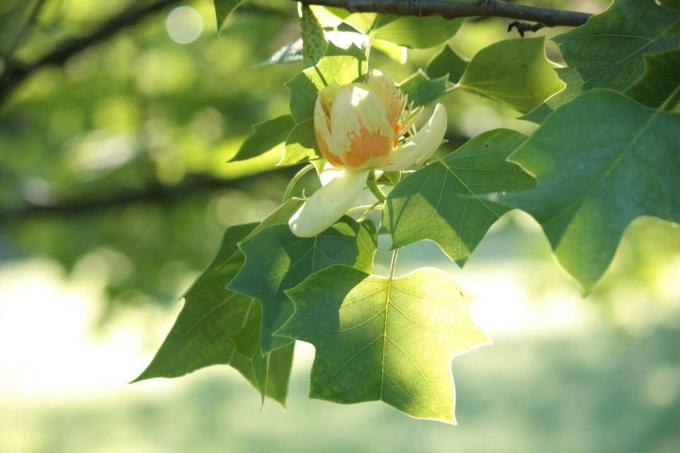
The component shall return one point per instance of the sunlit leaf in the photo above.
(384, 339)
(415, 32)
(601, 161)
(440, 203)
(277, 260)
(515, 71)
(608, 51)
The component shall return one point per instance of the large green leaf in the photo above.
(277, 260)
(415, 32)
(608, 50)
(574, 85)
(422, 90)
(384, 339)
(662, 75)
(222, 10)
(265, 136)
(440, 203)
(314, 43)
(304, 87)
(515, 71)
(601, 161)
(218, 326)
(447, 63)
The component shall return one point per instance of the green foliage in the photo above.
(447, 63)
(290, 260)
(441, 201)
(300, 144)
(609, 50)
(314, 43)
(658, 81)
(515, 71)
(265, 136)
(574, 85)
(218, 326)
(415, 32)
(384, 339)
(223, 9)
(601, 161)
(421, 90)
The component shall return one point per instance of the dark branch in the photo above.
(523, 27)
(156, 193)
(16, 72)
(450, 10)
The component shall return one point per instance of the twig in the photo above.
(523, 27)
(450, 10)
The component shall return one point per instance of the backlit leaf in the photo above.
(314, 43)
(421, 90)
(265, 136)
(222, 10)
(415, 32)
(439, 202)
(384, 339)
(446, 63)
(661, 77)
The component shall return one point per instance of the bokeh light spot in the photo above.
(184, 24)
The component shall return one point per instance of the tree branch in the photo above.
(450, 10)
(156, 193)
(16, 72)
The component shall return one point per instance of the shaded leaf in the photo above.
(314, 43)
(594, 180)
(608, 50)
(515, 71)
(222, 10)
(440, 203)
(446, 63)
(277, 260)
(661, 77)
(301, 144)
(384, 339)
(421, 90)
(415, 32)
(265, 136)
(218, 326)
(573, 87)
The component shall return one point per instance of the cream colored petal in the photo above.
(421, 145)
(356, 106)
(328, 204)
(329, 172)
(321, 127)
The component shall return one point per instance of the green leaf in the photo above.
(277, 260)
(662, 75)
(421, 90)
(608, 50)
(222, 10)
(415, 32)
(515, 71)
(265, 136)
(304, 87)
(601, 161)
(301, 144)
(314, 42)
(574, 84)
(218, 326)
(446, 63)
(440, 202)
(384, 339)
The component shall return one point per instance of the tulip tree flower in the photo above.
(360, 128)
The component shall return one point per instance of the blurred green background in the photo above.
(115, 189)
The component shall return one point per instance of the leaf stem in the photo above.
(372, 185)
(393, 263)
(295, 179)
(670, 98)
